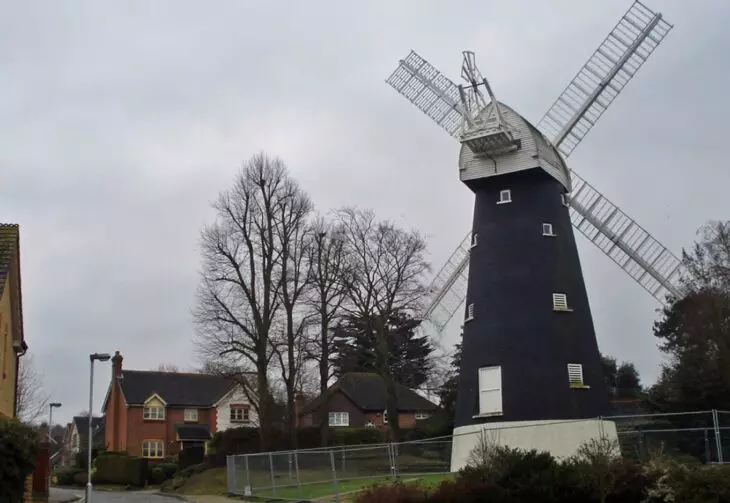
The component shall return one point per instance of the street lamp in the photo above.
(102, 357)
(51, 406)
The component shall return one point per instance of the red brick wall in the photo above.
(139, 429)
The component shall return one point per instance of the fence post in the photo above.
(718, 439)
(707, 449)
(248, 478)
(230, 467)
(296, 469)
(334, 476)
(271, 468)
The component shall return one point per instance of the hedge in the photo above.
(119, 469)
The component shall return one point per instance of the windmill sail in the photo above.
(603, 77)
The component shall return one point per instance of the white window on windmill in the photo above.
(575, 376)
(505, 196)
(474, 237)
(490, 391)
(547, 230)
(560, 302)
(469, 312)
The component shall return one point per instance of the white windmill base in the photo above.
(560, 438)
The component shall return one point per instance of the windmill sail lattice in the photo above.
(573, 114)
(603, 77)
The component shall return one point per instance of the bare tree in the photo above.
(32, 400)
(328, 276)
(168, 367)
(387, 276)
(240, 297)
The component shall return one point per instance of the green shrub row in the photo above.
(596, 475)
(18, 451)
(121, 469)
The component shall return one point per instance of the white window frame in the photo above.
(385, 417)
(240, 414)
(153, 449)
(575, 376)
(474, 237)
(421, 416)
(547, 230)
(505, 196)
(338, 419)
(469, 312)
(560, 302)
(489, 390)
(153, 413)
(190, 415)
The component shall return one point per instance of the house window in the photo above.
(505, 196)
(420, 416)
(339, 419)
(474, 239)
(240, 413)
(547, 230)
(575, 375)
(560, 302)
(153, 449)
(564, 199)
(385, 417)
(490, 391)
(191, 415)
(154, 412)
(469, 312)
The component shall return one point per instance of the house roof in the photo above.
(193, 432)
(8, 246)
(82, 423)
(176, 389)
(367, 391)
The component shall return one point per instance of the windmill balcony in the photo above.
(490, 141)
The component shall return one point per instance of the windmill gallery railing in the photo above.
(336, 471)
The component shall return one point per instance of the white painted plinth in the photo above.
(559, 438)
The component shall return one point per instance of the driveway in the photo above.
(64, 495)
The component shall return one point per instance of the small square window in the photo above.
(575, 375)
(339, 419)
(560, 302)
(474, 239)
(385, 417)
(547, 230)
(191, 415)
(469, 312)
(505, 196)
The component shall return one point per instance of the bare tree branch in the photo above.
(32, 399)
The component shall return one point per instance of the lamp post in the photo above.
(51, 406)
(102, 357)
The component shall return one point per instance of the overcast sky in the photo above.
(121, 121)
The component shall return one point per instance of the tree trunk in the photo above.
(324, 370)
(265, 418)
(291, 381)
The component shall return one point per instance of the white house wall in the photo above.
(223, 411)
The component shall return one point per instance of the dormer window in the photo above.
(154, 409)
(505, 196)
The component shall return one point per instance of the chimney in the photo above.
(299, 401)
(117, 364)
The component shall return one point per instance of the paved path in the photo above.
(65, 495)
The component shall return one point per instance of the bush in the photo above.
(80, 478)
(191, 456)
(66, 476)
(395, 493)
(121, 469)
(18, 451)
(162, 472)
(356, 436)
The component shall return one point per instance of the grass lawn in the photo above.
(209, 482)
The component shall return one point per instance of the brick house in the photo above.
(157, 414)
(12, 341)
(358, 400)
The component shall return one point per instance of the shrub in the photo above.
(121, 469)
(80, 478)
(191, 456)
(66, 476)
(394, 493)
(162, 472)
(18, 451)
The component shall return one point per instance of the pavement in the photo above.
(69, 495)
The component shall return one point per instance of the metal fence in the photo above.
(335, 472)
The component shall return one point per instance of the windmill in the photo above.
(529, 347)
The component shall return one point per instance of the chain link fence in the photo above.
(336, 472)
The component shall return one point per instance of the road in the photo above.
(63, 495)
